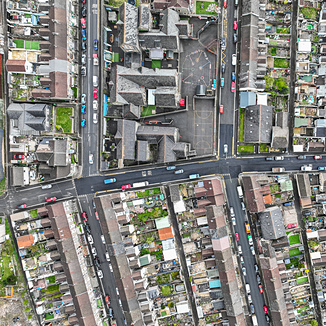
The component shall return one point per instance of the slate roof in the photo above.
(272, 224)
(131, 111)
(53, 152)
(158, 40)
(126, 139)
(280, 137)
(17, 176)
(303, 185)
(258, 124)
(153, 133)
(145, 17)
(168, 21)
(166, 96)
(142, 151)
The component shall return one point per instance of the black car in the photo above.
(84, 11)
(97, 262)
(87, 228)
(84, 46)
(223, 68)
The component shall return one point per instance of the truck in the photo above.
(254, 320)
(240, 193)
(307, 167)
(193, 176)
(95, 59)
(112, 180)
(140, 184)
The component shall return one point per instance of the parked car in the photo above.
(302, 157)
(232, 87)
(172, 167)
(94, 252)
(100, 273)
(97, 262)
(83, 1)
(95, 105)
(270, 158)
(235, 38)
(111, 38)
(249, 298)
(267, 318)
(84, 35)
(95, 118)
(244, 271)
(321, 168)
(96, 215)
(237, 236)
(83, 71)
(233, 76)
(83, 59)
(95, 93)
(83, 122)
(265, 309)
(260, 287)
(83, 98)
(84, 11)
(87, 227)
(90, 239)
(256, 268)
(107, 256)
(46, 187)
(103, 239)
(318, 157)
(279, 158)
(258, 278)
(222, 82)
(19, 156)
(252, 250)
(91, 159)
(223, 68)
(234, 221)
(221, 108)
(107, 300)
(84, 45)
(83, 108)
(291, 226)
(225, 3)
(126, 186)
(84, 216)
(48, 200)
(252, 308)
(21, 206)
(178, 171)
(95, 45)
(225, 148)
(83, 22)
(182, 102)
(235, 25)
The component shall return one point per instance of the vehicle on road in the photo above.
(21, 206)
(244, 271)
(140, 184)
(95, 93)
(111, 38)
(221, 108)
(234, 221)
(83, 59)
(83, 108)
(178, 171)
(91, 159)
(111, 269)
(90, 239)
(237, 236)
(247, 227)
(84, 11)
(107, 300)
(83, 22)
(235, 38)
(254, 320)
(84, 45)
(307, 167)
(94, 252)
(83, 98)
(269, 158)
(252, 250)
(265, 309)
(232, 211)
(302, 157)
(84, 216)
(223, 68)
(107, 256)
(48, 200)
(214, 85)
(267, 318)
(223, 43)
(318, 157)
(103, 239)
(95, 105)
(260, 287)
(250, 240)
(83, 122)
(239, 190)
(321, 168)
(233, 76)
(240, 249)
(95, 81)
(84, 35)
(225, 148)
(95, 118)
(234, 59)
(182, 102)
(258, 278)
(126, 186)
(96, 215)
(279, 158)
(171, 167)
(83, 71)
(252, 308)
(249, 298)
(222, 82)
(95, 45)
(225, 3)
(87, 227)
(243, 206)
(193, 176)
(112, 180)
(46, 187)
(247, 288)
(100, 273)
(235, 25)
(232, 87)
(19, 156)
(95, 59)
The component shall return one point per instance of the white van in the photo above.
(95, 81)
(234, 59)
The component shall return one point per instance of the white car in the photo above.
(47, 187)
(107, 256)
(111, 269)
(91, 159)
(100, 273)
(244, 271)
(83, 98)
(249, 298)
(94, 252)
(83, 59)
(90, 239)
(103, 239)
(225, 148)
(252, 250)
(95, 105)
(234, 221)
(95, 118)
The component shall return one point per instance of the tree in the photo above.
(280, 83)
(301, 265)
(33, 248)
(314, 323)
(269, 82)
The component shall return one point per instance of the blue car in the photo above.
(83, 32)
(83, 122)
(95, 45)
(170, 168)
(222, 82)
(233, 76)
(83, 108)
(321, 168)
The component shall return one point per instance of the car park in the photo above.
(237, 236)
(91, 159)
(19, 156)
(95, 45)
(100, 273)
(232, 87)
(95, 93)
(233, 76)
(235, 25)
(83, 59)
(83, 108)
(83, 122)
(260, 287)
(21, 206)
(126, 186)
(265, 309)
(84, 216)
(83, 22)
(90, 239)
(83, 98)
(171, 167)
(84, 11)
(221, 108)
(178, 171)
(48, 200)
(318, 157)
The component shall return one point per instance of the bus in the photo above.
(140, 184)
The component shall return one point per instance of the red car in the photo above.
(260, 287)
(232, 87)
(291, 226)
(225, 3)
(265, 310)
(107, 299)
(21, 206)
(95, 93)
(235, 25)
(182, 102)
(96, 215)
(83, 1)
(51, 199)
(83, 22)
(19, 156)
(125, 186)
(84, 215)
(221, 108)
(237, 236)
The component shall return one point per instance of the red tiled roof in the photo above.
(25, 241)
(165, 233)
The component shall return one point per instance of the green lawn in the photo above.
(294, 239)
(33, 213)
(272, 42)
(166, 290)
(281, 63)
(75, 91)
(156, 64)
(274, 188)
(246, 149)
(35, 45)
(19, 43)
(115, 57)
(309, 12)
(294, 252)
(163, 313)
(49, 316)
(272, 51)
(283, 30)
(64, 122)
(206, 8)
(51, 289)
(148, 110)
(3, 185)
(28, 45)
(6, 260)
(263, 148)
(241, 124)
(51, 279)
(302, 280)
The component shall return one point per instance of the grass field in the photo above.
(64, 122)
(156, 64)
(148, 110)
(115, 57)
(33, 213)
(166, 290)
(241, 124)
(281, 63)
(246, 149)
(206, 8)
(294, 239)
(294, 252)
(302, 280)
